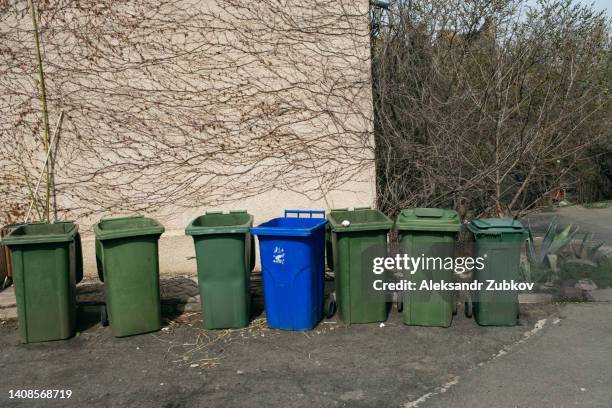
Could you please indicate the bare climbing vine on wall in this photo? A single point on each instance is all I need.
(185, 103)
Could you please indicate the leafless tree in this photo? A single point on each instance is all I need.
(487, 106)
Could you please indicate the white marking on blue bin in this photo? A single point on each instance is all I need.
(279, 256)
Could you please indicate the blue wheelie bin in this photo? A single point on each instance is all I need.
(292, 251)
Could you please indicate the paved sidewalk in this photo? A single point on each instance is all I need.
(566, 364)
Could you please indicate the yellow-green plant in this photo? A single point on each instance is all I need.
(45, 112)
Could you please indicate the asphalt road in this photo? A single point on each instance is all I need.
(566, 364)
(595, 220)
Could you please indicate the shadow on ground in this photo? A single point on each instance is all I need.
(184, 365)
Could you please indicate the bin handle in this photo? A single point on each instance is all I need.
(309, 212)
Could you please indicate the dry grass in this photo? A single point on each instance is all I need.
(190, 345)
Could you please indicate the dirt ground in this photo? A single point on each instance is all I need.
(186, 366)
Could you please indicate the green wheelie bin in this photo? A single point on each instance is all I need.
(357, 237)
(78, 253)
(127, 252)
(44, 258)
(225, 257)
(498, 241)
(428, 232)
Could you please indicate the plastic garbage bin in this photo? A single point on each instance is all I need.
(5, 255)
(292, 252)
(6, 268)
(498, 241)
(223, 246)
(357, 237)
(5, 278)
(428, 232)
(128, 251)
(78, 252)
(44, 269)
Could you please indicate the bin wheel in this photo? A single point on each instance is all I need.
(468, 309)
(331, 305)
(103, 316)
(399, 302)
(454, 307)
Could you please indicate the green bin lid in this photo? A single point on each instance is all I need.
(41, 233)
(495, 226)
(215, 222)
(360, 219)
(428, 219)
(125, 227)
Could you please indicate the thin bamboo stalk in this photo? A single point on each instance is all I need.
(32, 197)
(45, 111)
(55, 134)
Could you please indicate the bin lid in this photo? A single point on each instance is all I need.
(41, 233)
(289, 227)
(215, 222)
(428, 219)
(495, 226)
(125, 227)
(359, 219)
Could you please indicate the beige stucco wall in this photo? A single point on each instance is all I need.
(271, 204)
(262, 106)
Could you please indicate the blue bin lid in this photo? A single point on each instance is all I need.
(289, 227)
